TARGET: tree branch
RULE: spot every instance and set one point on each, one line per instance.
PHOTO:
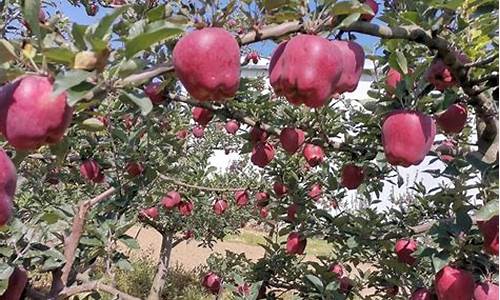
(162, 268)
(94, 286)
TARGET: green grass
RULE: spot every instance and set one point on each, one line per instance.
(314, 247)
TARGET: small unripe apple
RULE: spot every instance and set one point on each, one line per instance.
(258, 135)
(280, 189)
(212, 282)
(315, 192)
(220, 206)
(151, 212)
(171, 200)
(185, 208)
(262, 199)
(241, 198)
(421, 294)
(374, 6)
(313, 154)
(489, 230)
(155, 93)
(453, 119)
(296, 243)
(291, 212)
(262, 154)
(8, 179)
(337, 269)
(134, 168)
(352, 176)
(202, 116)
(15, 287)
(404, 249)
(486, 291)
(198, 131)
(232, 126)
(291, 139)
(91, 171)
(454, 284)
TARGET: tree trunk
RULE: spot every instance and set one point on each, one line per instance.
(162, 268)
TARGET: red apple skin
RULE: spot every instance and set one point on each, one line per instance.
(241, 198)
(353, 58)
(296, 243)
(374, 7)
(198, 131)
(207, 62)
(315, 192)
(185, 208)
(263, 212)
(446, 150)
(202, 115)
(454, 284)
(232, 126)
(134, 168)
(151, 212)
(220, 206)
(486, 291)
(280, 189)
(352, 176)
(407, 137)
(392, 79)
(404, 248)
(489, 230)
(345, 285)
(337, 269)
(453, 119)
(291, 212)
(243, 289)
(262, 199)
(181, 134)
(262, 154)
(440, 75)
(421, 294)
(212, 282)
(291, 139)
(91, 171)
(258, 135)
(8, 179)
(306, 70)
(171, 199)
(155, 93)
(313, 154)
(29, 116)
(17, 282)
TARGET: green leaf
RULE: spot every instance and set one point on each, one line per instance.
(350, 7)
(130, 242)
(8, 74)
(60, 55)
(273, 4)
(78, 33)
(156, 13)
(91, 241)
(65, 81)
(316, 282)
(131, 66)
(6, 251)
(154, 33)
(403, 64)
(5, 271)
(142, 101)
(487, 211)
(50, 217)
(463, 220)
(124, 265)
(7, 51)
(348, 21)
(78, 92)
(439, 261)
(104, 27)
(31, 9)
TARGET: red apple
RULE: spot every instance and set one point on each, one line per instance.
(262, 198)
(306, 70)
(243, 289)
(453, 119)
(421, 294)
(446, 150)
(392, 291)
(258, 135)
(202, 115)
(454, 284)
(407, 137)
(212, 282)
(280, 189)
(252, 56)
(232, 126)
(291, 139)
(181, 134)
(337, 269)
(291, 212)
(171, 200)
(374, 6)
(92, 9)
(8, 179)
(345, 285)
(439, 74)
(220, 206)
(486, 291)
(30, 116)
(185, 208)
(188, 234)
(263, 212)
(134, 168)
(315, 192)
(155, 93)
(198, 131)
(207, 62)
(489, 230)
(241, 198)
(151, 212)
(404, 249)
(17, 282)
(353, 59)
(392, 79)
(352, 176)
(296, 243)
(91, 171)
(262, 154)
(314, 154)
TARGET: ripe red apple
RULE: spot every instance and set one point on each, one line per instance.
(181, 134)
(151, 212)
(8, 179)
(258, 135)
(202, 115)
(30, 116)
(315, 192)
(155, 93)
(198, 131)
(337, 269)
(446, 150)
(185, 208)
(91, 171)
(17, 282)
(243, 289)
(134, 168)
(353, 58)
(232, 126)
(296, 243)
(454, 284)
(207, 62)
(486, 291)
(262, 154)
(263, 212)
(453, 119)
(252, 56)
(404, 249)
(262, 199)
(241, 198)
(171, 200)
(306, 70)
(392, 291)
(421, 294)
(392, 79)
(489, 230)
(92, 9)
(345, 285)
(280, 189)
(291, 139)
(291, 212)
(314, 154)
(440, 75)
(212, 282)
(352, 176)
(220, 206)
(407, 137)
(374, 6)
